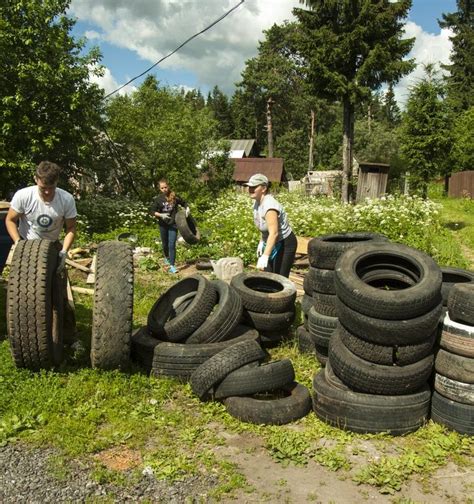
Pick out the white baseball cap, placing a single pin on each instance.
(256, 180)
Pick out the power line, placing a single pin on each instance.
(218, 20)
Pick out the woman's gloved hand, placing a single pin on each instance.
(262, 262)
(260, 248)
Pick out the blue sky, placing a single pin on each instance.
(134, 35)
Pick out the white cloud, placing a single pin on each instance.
(428, 48)
(153, 28)
(109, 84)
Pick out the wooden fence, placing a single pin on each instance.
(461, 184)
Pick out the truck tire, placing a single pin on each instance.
(112, 312)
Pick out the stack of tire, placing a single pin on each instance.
(453, 395)
(269, 304)
(388, 305)
(319, 301)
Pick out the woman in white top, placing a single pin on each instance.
(277, 247)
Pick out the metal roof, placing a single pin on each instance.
(242, 145)
(271, 167)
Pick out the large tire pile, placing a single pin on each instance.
(211, 334)
(453, 396)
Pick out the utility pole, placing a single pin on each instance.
(311, 143)
(270, 102)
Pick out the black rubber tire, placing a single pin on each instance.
(403, 301)
(307, 285)
(215, 369)
(367, 413)
(325, 304)
(306, 303)
(305, 341)
(187, 227)
(321, 280)
(456, 367)
(249, 380)
(452, 414)
(265, 292)
(272, 339)
(389, 332)
(321, 327)
(225, 316)
(454, 390)
(268, 321)
(269, 410)
(452, 276)
(461, 303)
(143, 346)
(112, 313)
(325, 250)
(457, 338)
(322, 355)
(363, 376)
(166, 324)
(34, 306)
(203, 265)
(179, 360)
(386, 355)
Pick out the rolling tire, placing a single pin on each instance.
(461, 303)
(35, 306)
(112, 313)
(325, 250)
(456, 367)
(457, 338)
(454, 390)
(400, 301)
(272, 409)
(454, 415)
(389, 332)
(223, 319)
(163, 320)
(249, 380)
(346, 409)
(215, 369)
(451, 277)
(187, 227)
(265, 292)
(363, 376)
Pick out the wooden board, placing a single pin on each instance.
(302, 246)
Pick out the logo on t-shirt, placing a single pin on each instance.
(44, 220)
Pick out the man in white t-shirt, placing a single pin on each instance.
(40, 211)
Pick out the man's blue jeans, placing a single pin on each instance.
(169, 235)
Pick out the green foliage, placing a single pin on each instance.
(289, 446)
(376, 143)
(49, 108)
(463, 146)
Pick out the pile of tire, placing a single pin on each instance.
(268, 304)
(319, 300)
(382, 353)
(453, 396)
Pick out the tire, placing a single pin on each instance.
(461, 303)
(457, 338)
(325, 304)
(271, 339)
(203, 265)
(386, 355)
(223, 319)
(452, 414)
(321, 280)
(324, 251)
(249, 380)
(271, 410)
(454, 390)
(187, 227)
(180, 360)
(265, 292)
(454, 366)
(269, 321)
(166, 324)
(322, 355)
(363, 376)
(35, 306)
(321, 327)
(112, 313)
(215, 369)
(307, 285)
(142, 347)
(305, 341)
(400, 301)
(306, 303)
(366, 413)
(452, 276)
(389, 332)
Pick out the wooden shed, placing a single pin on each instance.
(461, 184)
(372, 181)
(246, 167)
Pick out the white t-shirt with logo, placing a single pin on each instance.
(41, 219)
(260, 210)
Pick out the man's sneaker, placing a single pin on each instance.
(173, 269)
(167, 261)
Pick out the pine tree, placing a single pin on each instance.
(219, 105)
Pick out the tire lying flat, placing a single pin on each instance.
(451, 277)
(461, 303)
(457, 338)
(452, 414)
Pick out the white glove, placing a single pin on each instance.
(187, 211)
(262, 262)
(260, 248)
(166, 218)
(61, 262)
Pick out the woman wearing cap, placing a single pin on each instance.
(164, 208)
(277, 247)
